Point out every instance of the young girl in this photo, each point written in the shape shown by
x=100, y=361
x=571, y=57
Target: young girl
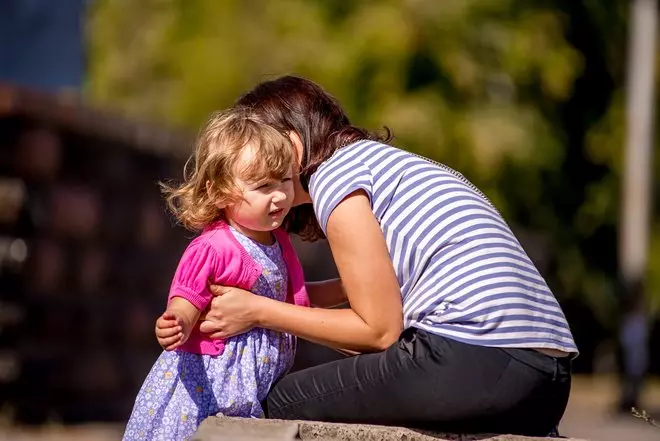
x=237, y=193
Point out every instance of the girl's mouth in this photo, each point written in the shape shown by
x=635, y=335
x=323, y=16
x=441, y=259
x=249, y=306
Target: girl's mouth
x=276, y=213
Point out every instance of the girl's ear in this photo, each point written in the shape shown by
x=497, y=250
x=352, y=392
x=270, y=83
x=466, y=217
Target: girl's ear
x=209, y=187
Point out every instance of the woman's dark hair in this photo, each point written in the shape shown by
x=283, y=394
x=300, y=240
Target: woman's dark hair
x=291, y=103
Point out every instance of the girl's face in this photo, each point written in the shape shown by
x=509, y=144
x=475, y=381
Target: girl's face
x=300, y=195
x=263, y=205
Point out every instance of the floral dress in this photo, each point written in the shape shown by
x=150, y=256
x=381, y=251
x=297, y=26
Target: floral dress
x=182, y=389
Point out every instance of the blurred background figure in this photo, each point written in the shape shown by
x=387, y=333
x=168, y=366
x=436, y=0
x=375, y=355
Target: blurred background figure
x=533, y=102
x=636, y=201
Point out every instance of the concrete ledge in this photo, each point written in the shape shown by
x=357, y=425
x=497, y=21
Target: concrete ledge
x=245, y=429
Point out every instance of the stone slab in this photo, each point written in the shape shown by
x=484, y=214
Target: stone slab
x=244, y=429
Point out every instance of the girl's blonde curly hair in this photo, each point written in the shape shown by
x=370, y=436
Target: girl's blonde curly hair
x=211, y=171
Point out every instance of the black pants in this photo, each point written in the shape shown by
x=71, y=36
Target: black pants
x=432, y=382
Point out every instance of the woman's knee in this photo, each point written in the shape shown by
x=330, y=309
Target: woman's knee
x=295, y=394
x=274, y=404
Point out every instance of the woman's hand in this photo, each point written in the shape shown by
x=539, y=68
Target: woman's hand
x=232, y=311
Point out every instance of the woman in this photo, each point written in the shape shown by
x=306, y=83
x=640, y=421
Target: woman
x=457, y=328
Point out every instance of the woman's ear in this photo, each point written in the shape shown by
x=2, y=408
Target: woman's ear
x=297, y=144
x=209, y=193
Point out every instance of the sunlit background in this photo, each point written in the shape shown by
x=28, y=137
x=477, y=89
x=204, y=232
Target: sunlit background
x=101, y=99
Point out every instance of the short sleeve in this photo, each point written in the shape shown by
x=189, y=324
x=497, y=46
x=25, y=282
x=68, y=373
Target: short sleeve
x=340, y=176
x=197, y=267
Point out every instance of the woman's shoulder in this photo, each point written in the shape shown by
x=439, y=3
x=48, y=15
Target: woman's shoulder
x=347, y=159
x=363, y=153
x=360, y=149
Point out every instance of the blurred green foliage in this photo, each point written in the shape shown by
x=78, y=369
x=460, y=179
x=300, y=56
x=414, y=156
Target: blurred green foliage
x=522, y=97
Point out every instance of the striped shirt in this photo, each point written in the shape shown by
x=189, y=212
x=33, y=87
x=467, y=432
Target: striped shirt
x=462, y=272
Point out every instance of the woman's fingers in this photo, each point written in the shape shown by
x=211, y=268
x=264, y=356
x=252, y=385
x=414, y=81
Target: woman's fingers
x=218, y=290
x=208, y=326
x=219, y=335
x=214, y=329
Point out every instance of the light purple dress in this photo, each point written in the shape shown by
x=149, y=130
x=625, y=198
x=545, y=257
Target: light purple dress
x=183, y=389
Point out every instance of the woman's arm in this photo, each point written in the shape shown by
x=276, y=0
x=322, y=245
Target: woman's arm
x=375, y=319
x=326, y=293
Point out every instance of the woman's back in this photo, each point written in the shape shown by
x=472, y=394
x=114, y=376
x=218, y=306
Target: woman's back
x=462, y=272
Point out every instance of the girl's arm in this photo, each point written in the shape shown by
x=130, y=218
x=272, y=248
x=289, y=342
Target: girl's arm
x=180, y=319
x=375, y=319
x=326, y=293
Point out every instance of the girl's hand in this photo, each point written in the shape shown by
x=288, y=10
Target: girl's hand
x=169, y=330
x=232, y=311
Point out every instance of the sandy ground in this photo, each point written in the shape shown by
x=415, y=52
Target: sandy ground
x=588, y=416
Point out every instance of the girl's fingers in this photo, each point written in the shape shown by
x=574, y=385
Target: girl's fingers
x=168, y=342
x=168, y=332
x=166, y=324
x=173, y=347
x=162, y=323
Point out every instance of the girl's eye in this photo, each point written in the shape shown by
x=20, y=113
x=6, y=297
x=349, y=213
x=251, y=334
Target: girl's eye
x=263, y=186
x=286, y=179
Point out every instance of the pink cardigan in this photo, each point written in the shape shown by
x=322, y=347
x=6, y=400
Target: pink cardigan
x=216, y=257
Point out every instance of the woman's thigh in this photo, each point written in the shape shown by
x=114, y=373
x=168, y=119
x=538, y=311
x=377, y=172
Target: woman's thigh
x=418, y=380
x=421, y=381
x=366, y=388
x=310, y=354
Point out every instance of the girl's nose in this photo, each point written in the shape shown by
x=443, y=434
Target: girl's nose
x=278, y=196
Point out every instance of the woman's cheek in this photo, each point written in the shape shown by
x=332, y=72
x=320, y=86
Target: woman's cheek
x=299, y=194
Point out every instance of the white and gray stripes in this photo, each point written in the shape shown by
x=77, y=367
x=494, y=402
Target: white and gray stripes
x=462, y=272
